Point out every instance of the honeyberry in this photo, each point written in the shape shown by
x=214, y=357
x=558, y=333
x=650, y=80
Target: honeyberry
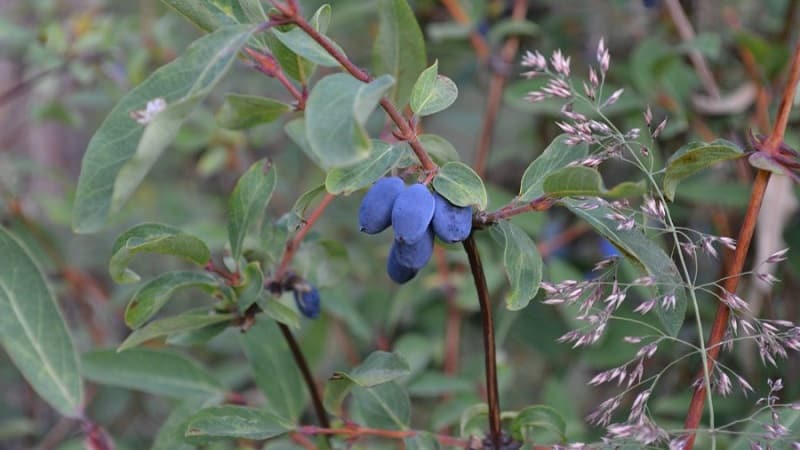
x=412, y=213
x=451, y=223
x=375, y=213
x=397, y=272
x=416, y=255
x=306, y=297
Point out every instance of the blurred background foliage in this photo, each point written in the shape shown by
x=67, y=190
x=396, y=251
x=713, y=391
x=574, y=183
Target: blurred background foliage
x=65, y=63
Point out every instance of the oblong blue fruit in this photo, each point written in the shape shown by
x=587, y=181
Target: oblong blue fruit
x=416, y=255
x=412, y=213
x=375, y=212
x=451, y=223
x=308, y=301
x=397, y=272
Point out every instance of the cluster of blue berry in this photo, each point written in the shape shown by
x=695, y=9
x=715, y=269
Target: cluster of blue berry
x=416, y=215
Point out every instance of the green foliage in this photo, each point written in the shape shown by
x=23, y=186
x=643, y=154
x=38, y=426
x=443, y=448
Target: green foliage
x=233, y=422
x=578, y=181
x=363, y=173
x=695, y=157
x=247, y=202
x=459, y=184
x=522, y=263
x=151, y=297
x=557, y=155
x=245, y=111
x=432, y=92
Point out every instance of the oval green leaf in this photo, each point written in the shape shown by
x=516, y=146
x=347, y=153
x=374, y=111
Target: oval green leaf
x=439, y=148
x=33, y=332
x=244, y=111
x=523, y=265
x=226, y=422
x=203, y=13
x=694, y=157
x=432, y=92
x=557, y=155
x=296, y=40
x=151, y=297
x=349, y=179
x=460, y=184
x=575, y=181
x=538, y=418
x=399, y=48
x=170, y=325
x=247, y=202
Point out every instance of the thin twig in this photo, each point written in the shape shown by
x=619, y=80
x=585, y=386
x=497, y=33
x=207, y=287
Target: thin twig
x=492, y=395
x=718, y=329
x=475, y=38
x=355, y=432
x=687, y=34
x=294, y=243
x=496, y=86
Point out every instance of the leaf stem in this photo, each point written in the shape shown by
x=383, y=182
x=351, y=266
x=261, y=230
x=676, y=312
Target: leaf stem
x=720, y=325
x=294, y=243
x=488, y=339
x=302, y=364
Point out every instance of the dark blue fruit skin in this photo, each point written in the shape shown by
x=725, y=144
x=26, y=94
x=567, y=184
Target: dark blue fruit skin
x=397, y=272
x=375, y=213
x=412, y=213
x=416, y=255
x=451, y=223
x=308, y=302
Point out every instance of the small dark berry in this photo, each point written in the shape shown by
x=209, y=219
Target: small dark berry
x=306, y=297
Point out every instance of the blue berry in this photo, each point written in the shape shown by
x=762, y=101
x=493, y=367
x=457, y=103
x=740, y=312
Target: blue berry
x=375, y=213
x=451, y=223
x=412, y=213
x=306, y=297
x=416, y=255
x=397, y=272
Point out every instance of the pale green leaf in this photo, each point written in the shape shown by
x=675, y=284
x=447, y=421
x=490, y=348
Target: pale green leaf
x=154, y=238
x=296, y=130
x=296, y=40
x=247, y=202
x=245, y=111
x=423, y=440
x=459, y=184
x=557, y=155
x=438, y=148
x=385, y=406
x=378, y=369
x=252, y=285
x=225, y=422
x=538, y=419
x=399, y=48
x=582, y=181
x=349, y=179
x=696, y=156
x=522, y=263
x=203, y=13
x=122, y=151
x=279, y=312
x=151, y=297
x=432, y=92
x=175, y=324
x=171, y=434
x=33, y=332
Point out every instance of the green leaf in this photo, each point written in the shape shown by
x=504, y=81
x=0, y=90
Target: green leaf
x=296, y=40
x=304, y=201
x=435, y=384
x=364, y=173
x=439, y=148
x=196, y=337
x=423, y=440
x=247, y=202
x=575, y=181
x=379, y=368
x=171, y=434
x=122, y=151
x=522, y=263
x=153, y=371
x=296, y=130
x=33, y=331
x=474, y=419
x=203, y=13
x=221, y=422
x=460, y=184
x=557, y=155
x=383, y=406
x=279, y=312
x=292, y=64
x=432, y=92
x=694, y=157
x=646, y=254
x=252, y=285
x=245, y=111
x=151, y=297
x=399, y=48
x=537, y=419
x=754, y=431
x=155, y=238
x=175, y=324
x=336, y=111
x=511, y=27
x=275, y=371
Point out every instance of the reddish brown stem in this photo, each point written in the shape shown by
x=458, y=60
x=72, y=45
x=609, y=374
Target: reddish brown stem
x=268, y=65
x=687, y=34
x=539, y=204
x=492, y=395
x=496, y=86
x=302, y=364
x=475, y=38
x=406, y=131
x=720, y=325
x=294, y=243
x=355, y=432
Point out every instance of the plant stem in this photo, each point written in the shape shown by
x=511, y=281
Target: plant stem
x=475, y=38
x=356, y=432
x=496, y=86
x=406, y=131
x=488, y=339
x=687, y=34
x=770, y=146
x=294, y=243
x=302, y=364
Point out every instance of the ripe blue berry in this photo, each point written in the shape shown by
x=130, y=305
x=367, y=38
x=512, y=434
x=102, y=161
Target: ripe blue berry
x=412, y=213
x=450, y=222
x=375, y=213
x=397, y=272
x=416, y=255
x=306, y=297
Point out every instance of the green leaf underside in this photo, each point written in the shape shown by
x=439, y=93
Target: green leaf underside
x=523, y=265
x=557, y=155
x=276, y=373
x=439, y=148
x=576, y=181
x=432, y=92
x=170, y=325
x=154, y=238
x=350, y=179
x=205, y=14
x=122, y=151
x=383, y=406
x=151, y=297
x=399, y=48
x=155, y=372
x=225, y=422
x=33, y=332
x=244, y=111
x=379, y=368
x=694, y=157
x=459, y=184
x=646, y=254
x=248, y=201
x=338, y=138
